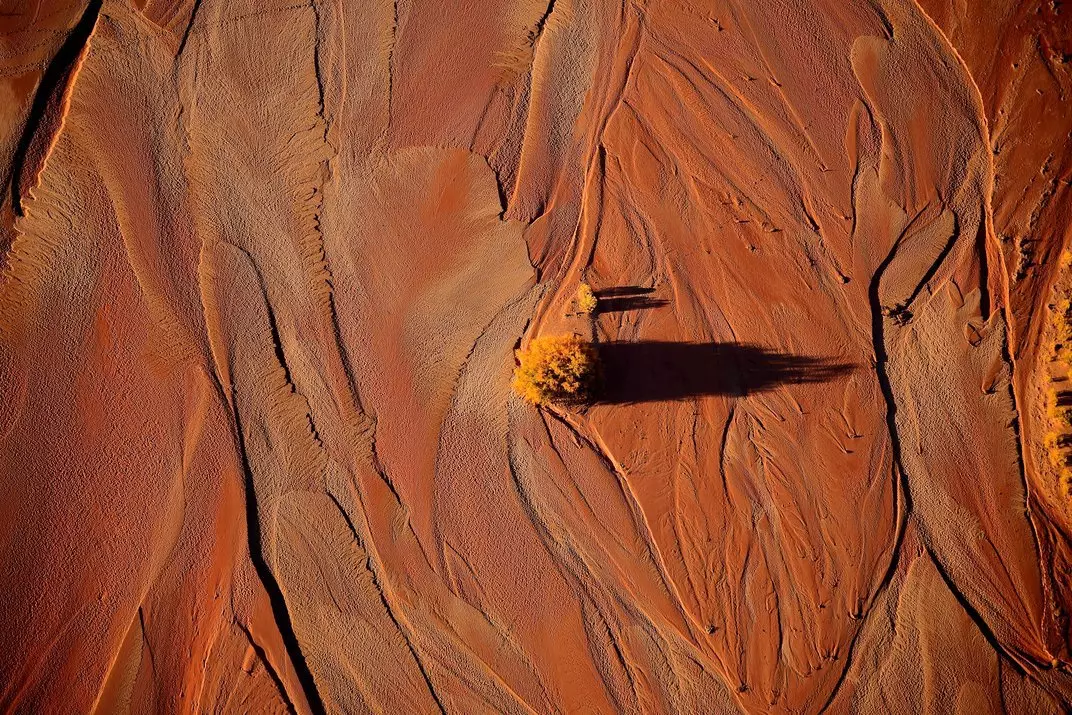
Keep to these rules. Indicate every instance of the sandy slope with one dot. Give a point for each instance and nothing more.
(265, 266)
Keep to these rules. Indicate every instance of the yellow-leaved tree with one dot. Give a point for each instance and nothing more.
(587, 302)
(560, 369)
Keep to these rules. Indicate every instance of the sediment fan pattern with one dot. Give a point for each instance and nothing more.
(265, 265)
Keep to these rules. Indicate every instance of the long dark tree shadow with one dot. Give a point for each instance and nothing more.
(655, 371)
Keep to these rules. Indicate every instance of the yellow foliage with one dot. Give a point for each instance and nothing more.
(1064, 482)
(560, 368)
(1055, 410)
(1057, 441)
(1049, 441)
(586, 299)
(1063, 356)
(1061, 314)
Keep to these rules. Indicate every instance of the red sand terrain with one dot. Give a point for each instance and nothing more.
(265, 265)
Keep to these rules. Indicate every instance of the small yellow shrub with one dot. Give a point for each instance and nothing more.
(560, 368)
(586, 299)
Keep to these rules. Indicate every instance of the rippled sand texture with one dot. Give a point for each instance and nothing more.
(264, 268)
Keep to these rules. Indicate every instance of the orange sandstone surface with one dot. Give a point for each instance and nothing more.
(265, 266)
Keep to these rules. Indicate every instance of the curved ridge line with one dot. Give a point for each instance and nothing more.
(1009, 347)
(67, 63)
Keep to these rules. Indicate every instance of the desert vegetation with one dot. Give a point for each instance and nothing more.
(1058, 439)
(586, 299)
(560, 369)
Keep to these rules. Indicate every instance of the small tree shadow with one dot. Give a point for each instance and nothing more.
(623, 291)
(639, 302)
(622, 298)
(656, 371)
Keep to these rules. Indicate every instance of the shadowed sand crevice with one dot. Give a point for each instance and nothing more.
(657, 371)
(53, 85)
(403, 632)
(267, 663)
(276, 597)
(189, 29)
